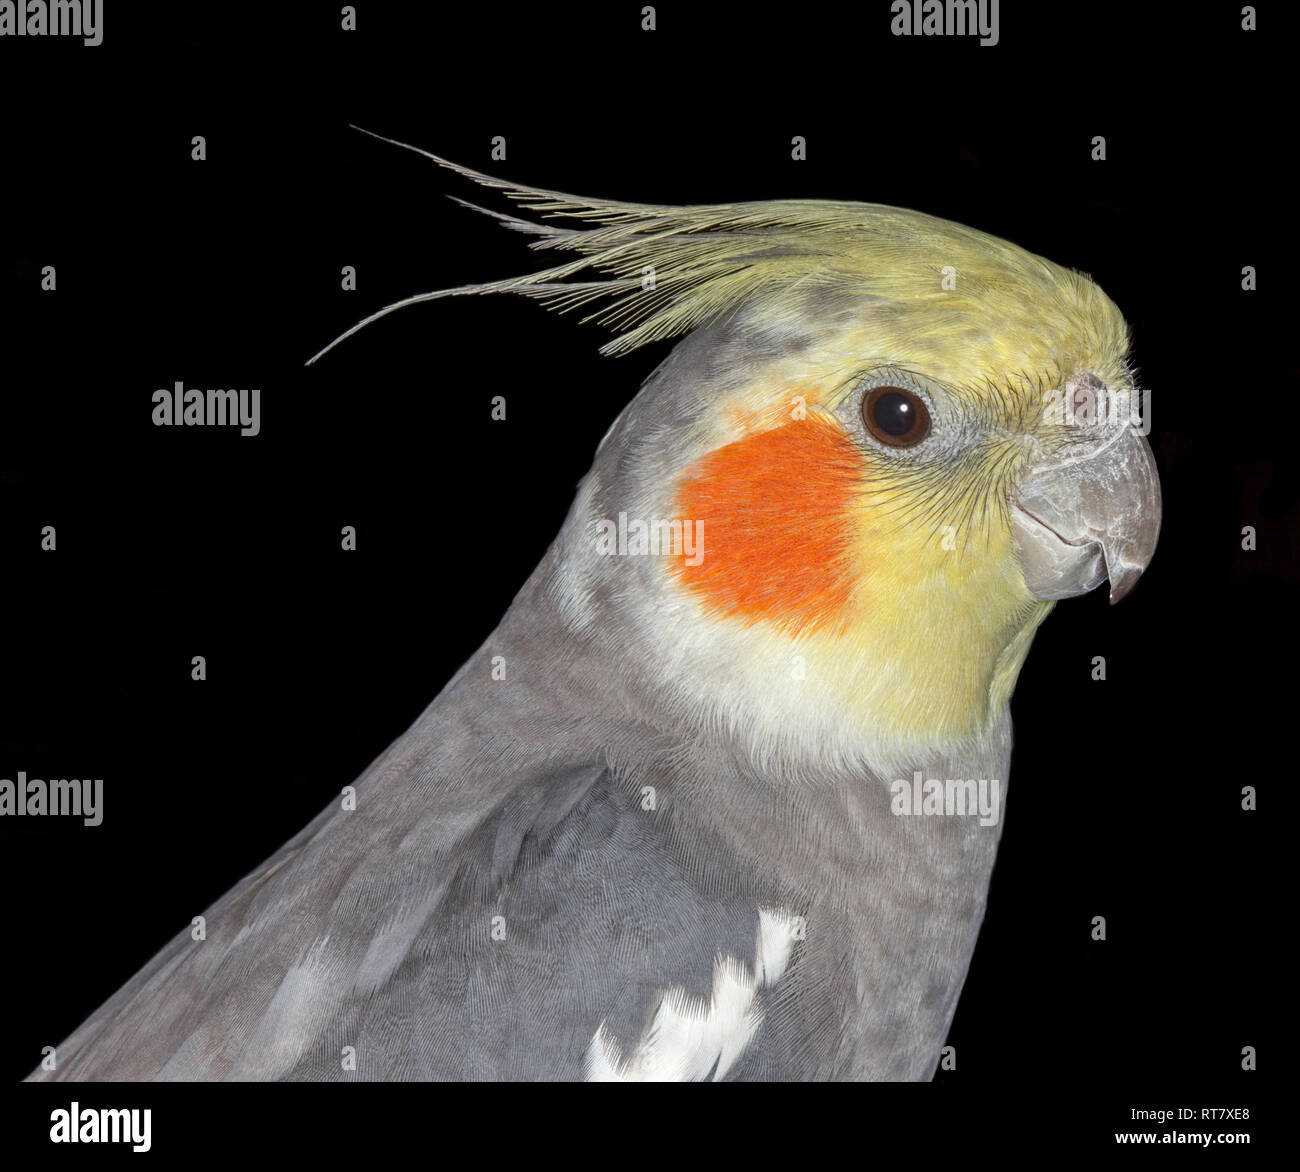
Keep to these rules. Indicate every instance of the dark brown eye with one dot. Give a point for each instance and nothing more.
(895, 416)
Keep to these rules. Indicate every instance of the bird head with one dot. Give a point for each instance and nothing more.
(837, 512)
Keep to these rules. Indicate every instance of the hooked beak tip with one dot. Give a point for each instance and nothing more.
(1121, 584)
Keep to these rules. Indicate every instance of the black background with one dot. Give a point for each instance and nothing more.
(176, 542)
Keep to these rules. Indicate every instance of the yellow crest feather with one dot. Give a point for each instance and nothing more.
(707, 260)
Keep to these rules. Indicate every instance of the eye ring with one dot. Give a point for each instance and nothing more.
(895, 416)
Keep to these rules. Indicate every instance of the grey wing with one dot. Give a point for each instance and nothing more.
(442, 929)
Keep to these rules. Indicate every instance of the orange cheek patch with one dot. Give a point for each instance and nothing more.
(775, 509)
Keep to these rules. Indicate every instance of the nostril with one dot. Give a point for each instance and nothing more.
(1087, 401)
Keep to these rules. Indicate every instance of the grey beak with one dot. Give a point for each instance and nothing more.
(1081, 521)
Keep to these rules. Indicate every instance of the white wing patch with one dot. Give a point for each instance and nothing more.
(691, 1038)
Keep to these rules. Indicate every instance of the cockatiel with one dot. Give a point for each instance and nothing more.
(654, 828)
